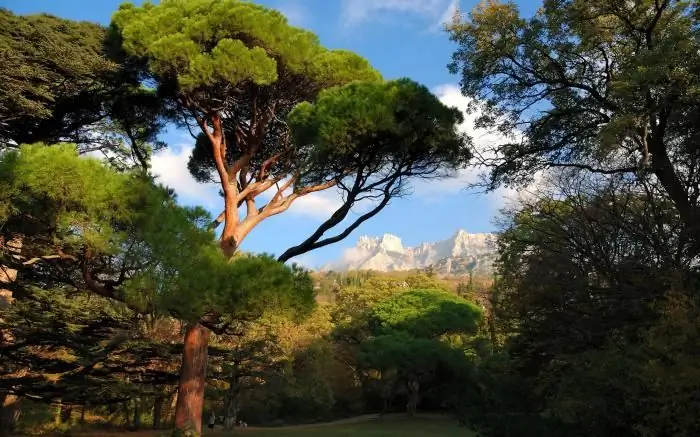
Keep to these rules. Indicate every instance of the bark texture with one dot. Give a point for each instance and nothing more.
(193, 372)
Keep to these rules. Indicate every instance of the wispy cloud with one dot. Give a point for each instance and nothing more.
(484, 142)
(355, 12)
(170, 168)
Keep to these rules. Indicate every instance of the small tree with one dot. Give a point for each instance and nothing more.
(406, 337)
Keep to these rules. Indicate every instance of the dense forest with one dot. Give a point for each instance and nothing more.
(122, 308)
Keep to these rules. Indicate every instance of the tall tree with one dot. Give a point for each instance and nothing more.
(608, 87)
(407, 333)
(86, 227)
(235, 70)
(62, 85)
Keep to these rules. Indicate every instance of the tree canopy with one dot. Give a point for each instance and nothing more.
(608, 87)
(257, 134)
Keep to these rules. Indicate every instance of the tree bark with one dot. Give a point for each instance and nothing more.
(157, 411)
(65, 413)
(169, 414)
(231, 411)
(228, 239)
(190, 399)
(137, 413)
(9, 413)
(412, 404)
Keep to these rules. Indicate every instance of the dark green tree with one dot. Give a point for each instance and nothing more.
(582, 280)
(408, 342)
(604, 87)
(62, 85)
(73, 222)
(377, 137)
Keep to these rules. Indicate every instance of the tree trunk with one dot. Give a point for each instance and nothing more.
(137, 413)
(412, 404)
(169, 416)
(9, 413)
(82, 414)
(227, 241)
(126, 411)
(157, 411)
(231, 412)
(66, 411)
(193, 373)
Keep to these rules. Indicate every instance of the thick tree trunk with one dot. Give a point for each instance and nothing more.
(228, 235)
(193, 373)
(157, 411)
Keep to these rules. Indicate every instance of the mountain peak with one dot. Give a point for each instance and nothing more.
(459, 254)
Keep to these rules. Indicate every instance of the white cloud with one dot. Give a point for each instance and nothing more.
(319, 205)
(306, 260)
(483, 146)
(170, 167)
(448, 15)
(483, 141)
(357, 11)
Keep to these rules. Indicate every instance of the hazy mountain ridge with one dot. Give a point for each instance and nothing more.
(456, 255)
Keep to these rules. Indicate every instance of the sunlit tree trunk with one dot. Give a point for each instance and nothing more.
(193, 372)
(65, 413)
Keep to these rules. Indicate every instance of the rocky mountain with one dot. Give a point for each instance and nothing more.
(457, 255)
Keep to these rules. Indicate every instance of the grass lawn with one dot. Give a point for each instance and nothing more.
(390, 426)
(419, 427)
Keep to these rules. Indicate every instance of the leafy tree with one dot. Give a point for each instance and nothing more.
(236, 70)
(87, 227)
(378, 136)
(51, 72)
(245, 143)
(406, 338)
(606, 87)
(424, 314)
(581, 278)
(61, 86)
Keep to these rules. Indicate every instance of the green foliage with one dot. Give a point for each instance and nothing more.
(52, 74)
(578, 302)
(242, 289)
(377, 124)
(425, 314)
(203, 44)
(608, 87)
(78, 203)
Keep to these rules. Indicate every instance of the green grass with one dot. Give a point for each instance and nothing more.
(392, 427)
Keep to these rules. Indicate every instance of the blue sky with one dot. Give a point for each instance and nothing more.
(401, 38)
